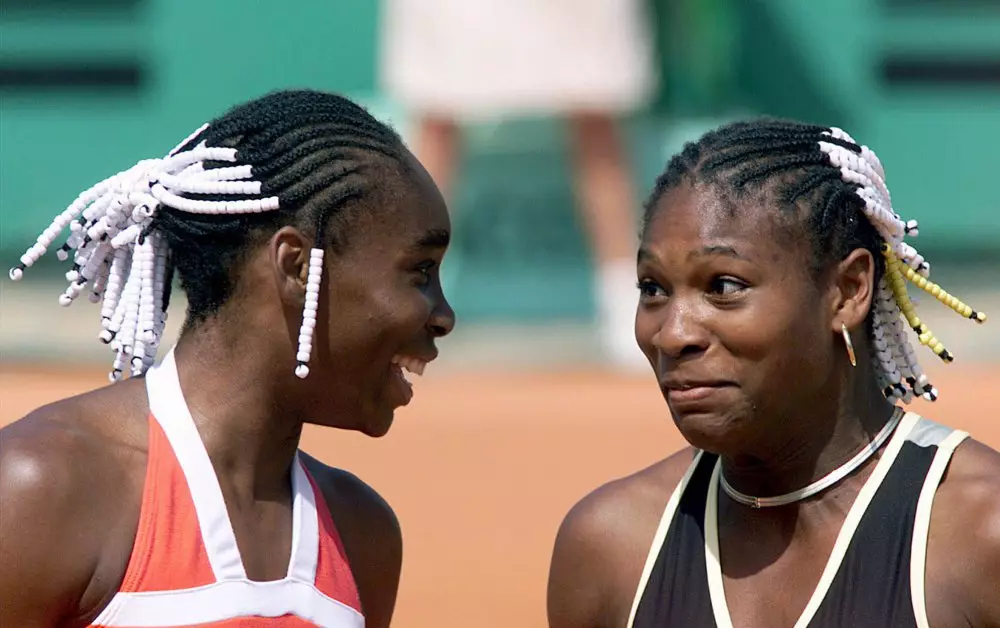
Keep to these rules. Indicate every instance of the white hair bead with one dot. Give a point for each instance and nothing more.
(204, 185)
(894, 352)
(187, 139)
(309, 310)
(128, 278)
(226, 173)
(128, 236)
(198, 153)
(116, 276)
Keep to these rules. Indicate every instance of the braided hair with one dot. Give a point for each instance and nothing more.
(290, 157)
(839, 185)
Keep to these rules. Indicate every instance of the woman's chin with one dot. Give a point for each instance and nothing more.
(709, 431)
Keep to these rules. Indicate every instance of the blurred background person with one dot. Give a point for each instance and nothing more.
(450, 62)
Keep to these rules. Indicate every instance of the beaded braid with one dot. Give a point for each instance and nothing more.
(284, 150)
(860, 166)
(845, 179)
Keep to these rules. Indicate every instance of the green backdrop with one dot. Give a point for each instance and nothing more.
(87, 87)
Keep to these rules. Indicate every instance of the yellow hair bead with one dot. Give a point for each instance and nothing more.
(905, 306)
(911, 318)
(897, 273)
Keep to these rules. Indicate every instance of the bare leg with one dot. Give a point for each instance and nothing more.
(607, 202)
(436, 146)
(437, 149)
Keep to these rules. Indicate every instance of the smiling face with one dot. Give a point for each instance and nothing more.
(730, 317)
(383, 304)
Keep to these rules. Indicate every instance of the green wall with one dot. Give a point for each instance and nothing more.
(195, 60)
(520, 252)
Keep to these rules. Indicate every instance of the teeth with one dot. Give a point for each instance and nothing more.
(413, 365)
(417, 367)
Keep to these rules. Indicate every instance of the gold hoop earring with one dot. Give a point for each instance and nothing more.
(849, 344)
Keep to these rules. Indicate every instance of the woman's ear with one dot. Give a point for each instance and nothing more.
(854, 287)
(289, 256)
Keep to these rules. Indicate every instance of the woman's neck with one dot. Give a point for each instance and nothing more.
(250, 429)
(828, 435)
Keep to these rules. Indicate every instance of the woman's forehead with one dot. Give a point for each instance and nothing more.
(692, 218)
(402, 213)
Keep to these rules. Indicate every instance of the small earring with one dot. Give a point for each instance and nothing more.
(849, 344)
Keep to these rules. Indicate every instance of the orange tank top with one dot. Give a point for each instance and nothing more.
(186, 570)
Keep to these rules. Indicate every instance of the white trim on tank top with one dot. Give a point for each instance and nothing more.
(168, 407)
(713, 565)
(922, 523)
(226, 600)
(233, 594)
(659, 538)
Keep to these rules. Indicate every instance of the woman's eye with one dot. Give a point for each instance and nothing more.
(650, 289)
(727, 286)
(424, 271)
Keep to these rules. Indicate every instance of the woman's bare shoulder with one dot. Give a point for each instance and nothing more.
(603, 542)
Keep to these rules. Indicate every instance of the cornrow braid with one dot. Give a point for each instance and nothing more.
(839, 181)
(290, 157)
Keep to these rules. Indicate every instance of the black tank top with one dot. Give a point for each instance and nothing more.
(874, 576)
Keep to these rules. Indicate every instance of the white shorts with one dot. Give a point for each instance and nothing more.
(495, 58)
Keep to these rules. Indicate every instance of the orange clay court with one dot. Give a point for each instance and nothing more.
(482, 466)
